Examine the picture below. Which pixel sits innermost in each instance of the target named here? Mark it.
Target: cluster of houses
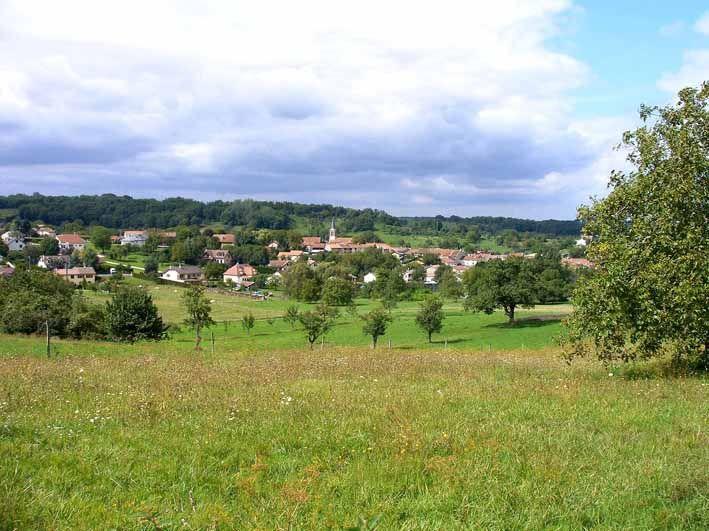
(58, 264)
(242, 275)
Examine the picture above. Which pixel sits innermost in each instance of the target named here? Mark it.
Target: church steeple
(332, 231)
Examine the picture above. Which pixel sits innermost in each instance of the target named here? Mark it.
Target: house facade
(53, 262)
(239, 274)
(14, 240)
(134, 237)
(71, 242)
(77, 275)
(183, 274)
(219, 256)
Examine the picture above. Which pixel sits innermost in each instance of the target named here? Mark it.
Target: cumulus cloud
(414, 107)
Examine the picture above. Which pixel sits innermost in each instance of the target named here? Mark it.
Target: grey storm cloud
(422, 115)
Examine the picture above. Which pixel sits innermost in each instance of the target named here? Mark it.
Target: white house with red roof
(71, 242)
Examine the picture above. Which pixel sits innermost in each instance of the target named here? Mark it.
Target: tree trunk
(374, 342)
(510, 312)
(198, 339)
(429, 337)
(49, 345)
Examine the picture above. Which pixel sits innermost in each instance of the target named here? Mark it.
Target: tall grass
(153, 437)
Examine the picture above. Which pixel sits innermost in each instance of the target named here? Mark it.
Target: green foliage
(248, 322)
(31, 297)
(449, 286)
(338, 291)
(198, 310)
(151, 265)
(48, 246)
(430, 315)
(89, 258)
(214, 270)
(292, 315)
(318, 322)
(302, 283)
(504, 284)
(650, 240)
(131, 315)
(86, 320)
(375, 324)
(100, 237)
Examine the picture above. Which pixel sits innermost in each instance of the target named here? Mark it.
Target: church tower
(332, 231)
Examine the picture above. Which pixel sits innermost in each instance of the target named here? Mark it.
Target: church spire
(332, 231)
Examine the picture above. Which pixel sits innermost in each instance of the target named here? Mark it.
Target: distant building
(183, 274)
(225, 239)
(77, 275)
(53, 262)
(369, 278)
(290, 255)
(219, 256)
(240, 274)
(134, 237)
(581, 242)
(14, 240)
(45, 231)
(576, 263)
(71, 242)
(313, 244)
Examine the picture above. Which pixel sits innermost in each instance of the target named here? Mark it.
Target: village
(80, 262)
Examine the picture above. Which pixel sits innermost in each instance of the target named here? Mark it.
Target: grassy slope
(147, 437)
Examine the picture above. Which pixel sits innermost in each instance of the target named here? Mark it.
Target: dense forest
(117, 212)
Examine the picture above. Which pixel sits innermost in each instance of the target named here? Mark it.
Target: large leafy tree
(101, 237)
(649, 239)
(338, 291)
(506, 284)
(32, 299)
(131, 315)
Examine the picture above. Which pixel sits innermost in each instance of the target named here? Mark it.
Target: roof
(225, 238)
(134, 233)
(72, 239)
(312, 240)
(217, 253)
(185, 270)
(577, 262)
(277, 264)
(241, 270)
(75, 271)
(6, 271)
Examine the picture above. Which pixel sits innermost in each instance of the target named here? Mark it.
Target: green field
(152, 437)
(486, 428)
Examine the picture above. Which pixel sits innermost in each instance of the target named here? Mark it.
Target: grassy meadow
(491, 430)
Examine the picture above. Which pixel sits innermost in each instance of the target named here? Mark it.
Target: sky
(508, 108)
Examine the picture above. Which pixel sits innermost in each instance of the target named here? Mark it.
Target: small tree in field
(292, 315)
(430, 315)
(199, 311)
(248, 322)
(376, 323)
(131, 315)
(316, 323)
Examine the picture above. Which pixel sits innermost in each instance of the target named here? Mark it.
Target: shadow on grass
(529, 322)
